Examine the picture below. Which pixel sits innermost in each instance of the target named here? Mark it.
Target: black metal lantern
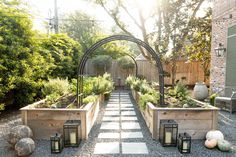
(184, 143)
(72, 132)
(168, 132)
(220, 50)
(56, 143)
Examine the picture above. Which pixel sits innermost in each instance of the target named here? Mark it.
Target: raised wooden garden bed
(195, 121)
(46, 121)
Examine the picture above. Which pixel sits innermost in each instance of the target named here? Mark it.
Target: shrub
(129, 80)
(56, 87)
(126, 63)
(180, 92)
(144, 87)
(94, 85)
(136, 84)
(90, 98)
(144, 99)
(102, 62)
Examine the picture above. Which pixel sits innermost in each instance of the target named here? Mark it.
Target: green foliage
(81, 31)
(90, 98)
(200, 38)
(212, 99)
(95, 85)
(65, 53)
(2, 106)
(136, 84)
(22, 67)
(144, 99)
(56, 87)
(145, 87)
(129, 80)
(188, 103)
(102, 63)
(102, 84)
(180, 92)
(126, 63)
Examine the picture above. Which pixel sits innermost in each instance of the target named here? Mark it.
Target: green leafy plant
(136, 84)
(144, 87)
(129, 80)
(102, 62)
(144, 99)
(180, 92)
(212, 99)
(90, 98)
(188, 103)
(2, 106)
(126, 63)
(56, 87)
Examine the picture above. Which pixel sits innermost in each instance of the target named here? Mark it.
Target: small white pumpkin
(215, 134)
(210, 143)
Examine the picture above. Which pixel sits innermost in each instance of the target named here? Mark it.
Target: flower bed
(194, 117)
(47, 116)
(195, 121)
(46, 121)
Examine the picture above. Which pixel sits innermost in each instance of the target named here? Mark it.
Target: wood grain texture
(46, 122)
(195, 121)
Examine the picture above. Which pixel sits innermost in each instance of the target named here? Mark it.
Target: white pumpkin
(210, 143)
(214, 134)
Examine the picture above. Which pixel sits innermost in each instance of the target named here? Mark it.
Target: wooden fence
(189, 73)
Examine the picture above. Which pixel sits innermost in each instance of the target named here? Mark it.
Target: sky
(41, 9)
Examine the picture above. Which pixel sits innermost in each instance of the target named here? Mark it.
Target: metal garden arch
(92, 49)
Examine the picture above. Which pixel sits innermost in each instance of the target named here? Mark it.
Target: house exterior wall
(220, 22)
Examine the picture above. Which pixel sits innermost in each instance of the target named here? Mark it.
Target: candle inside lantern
(73, 138)
(56, 144)
(168, 137)
(185, 146)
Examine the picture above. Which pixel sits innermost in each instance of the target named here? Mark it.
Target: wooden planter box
(45, 122)
(195, 121)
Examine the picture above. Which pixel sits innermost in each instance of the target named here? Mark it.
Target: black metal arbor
(136, 65)
(92, 49)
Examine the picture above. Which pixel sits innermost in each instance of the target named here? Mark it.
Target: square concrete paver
(110, 125)
(131, 135)
(130, 125)
(112, 113)
(112, 108)
(134, 148)
(110, 118)
(128, 118)
(128, 113)
(107, 148)
(114, 100)
(127, 108)
(109, 135)
(125, 102)
(112, 105)
(126, 105)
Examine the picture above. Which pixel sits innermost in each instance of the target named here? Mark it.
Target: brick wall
(220, 23)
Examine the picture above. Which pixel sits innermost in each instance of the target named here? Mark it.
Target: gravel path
(227, 124)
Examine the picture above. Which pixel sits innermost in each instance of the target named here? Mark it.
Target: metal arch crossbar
(136, 65)
(92, 49)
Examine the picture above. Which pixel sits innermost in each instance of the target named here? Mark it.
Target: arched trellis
(136, 65)
(92, 49)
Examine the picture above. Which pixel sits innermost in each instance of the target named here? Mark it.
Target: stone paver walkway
(120, 131)
(120, 128)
